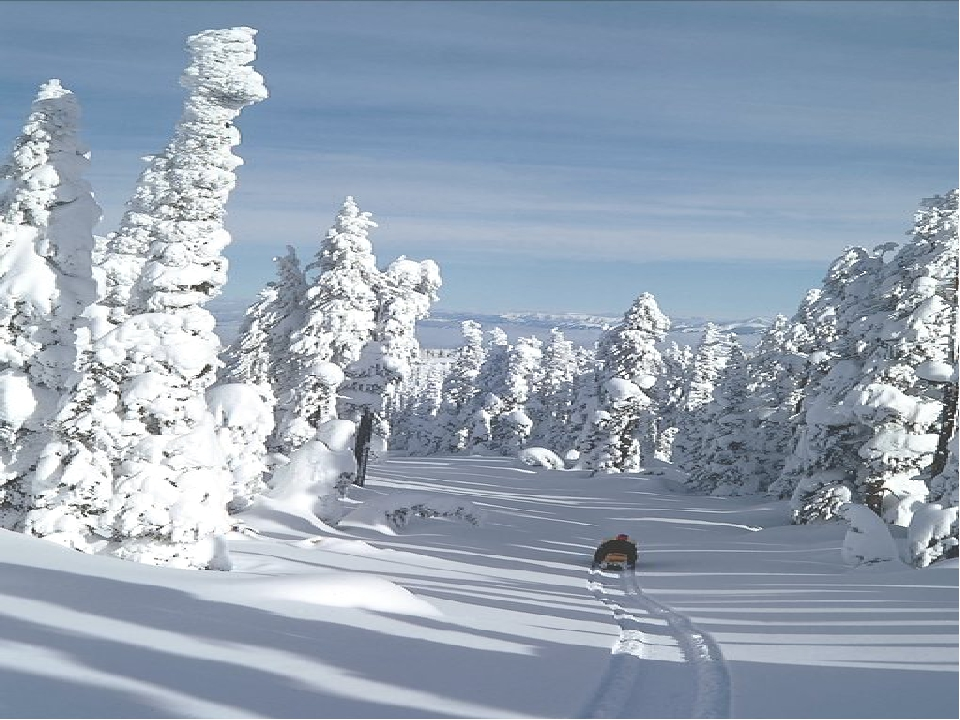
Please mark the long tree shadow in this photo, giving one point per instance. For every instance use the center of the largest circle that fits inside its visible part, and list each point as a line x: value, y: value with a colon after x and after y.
x: 341, y: 653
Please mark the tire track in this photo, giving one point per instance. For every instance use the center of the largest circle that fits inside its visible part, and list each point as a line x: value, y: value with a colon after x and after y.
x: 661, y: 664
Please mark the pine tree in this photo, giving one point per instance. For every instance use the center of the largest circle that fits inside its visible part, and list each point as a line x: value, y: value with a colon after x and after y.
x: 405, y: 291
x: 825, y: 463
x: 706, y: 369
x: 669, y: 396
x: 486, y: 403
x: 511, y: 426
x: 551, y: 416
x: 622, y: 432
x: 906, y: 396
x: 340, y: 319
x: 259, y: 354
x: 459, y: 388
x: 724, y: 466
x: 137, y: 462
x: 47, y: 214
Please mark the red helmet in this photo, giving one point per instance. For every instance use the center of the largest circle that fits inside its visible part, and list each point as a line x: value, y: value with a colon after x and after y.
x: 621, y: 536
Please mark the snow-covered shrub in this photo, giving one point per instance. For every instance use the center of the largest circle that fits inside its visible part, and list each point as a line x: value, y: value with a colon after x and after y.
x: 932, y: 534
x: 868, y: 540
x: 391, y: 513
x: 319, y: 473
x: 541, y: 457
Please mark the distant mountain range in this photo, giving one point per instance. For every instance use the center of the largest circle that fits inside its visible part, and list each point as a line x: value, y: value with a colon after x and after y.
x: 442, y: 328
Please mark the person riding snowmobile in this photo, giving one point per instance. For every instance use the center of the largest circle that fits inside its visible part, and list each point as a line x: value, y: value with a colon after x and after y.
x: 620, y: 544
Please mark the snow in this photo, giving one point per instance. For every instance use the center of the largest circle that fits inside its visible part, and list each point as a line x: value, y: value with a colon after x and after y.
x: 541, y: 457
x: 450, y: 619
x: 17, y: 401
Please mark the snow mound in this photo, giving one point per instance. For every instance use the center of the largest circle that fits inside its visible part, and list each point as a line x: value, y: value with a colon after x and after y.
x: 540, y: 457
x: 345, y: 590
x: 390, y: 514
x: 342, y: 546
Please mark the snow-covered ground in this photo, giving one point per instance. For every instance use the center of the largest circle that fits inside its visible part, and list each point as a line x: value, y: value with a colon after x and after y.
x: 734, y: 612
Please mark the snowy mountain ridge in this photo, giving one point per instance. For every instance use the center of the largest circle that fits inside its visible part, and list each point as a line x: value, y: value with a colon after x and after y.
x: 587, y: 321
x: 442, y: 328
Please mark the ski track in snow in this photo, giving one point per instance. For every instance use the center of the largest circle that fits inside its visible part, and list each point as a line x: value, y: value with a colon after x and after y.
x: 661, y: 665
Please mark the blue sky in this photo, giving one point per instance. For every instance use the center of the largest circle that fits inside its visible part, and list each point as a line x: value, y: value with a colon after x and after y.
x: 550, y: 156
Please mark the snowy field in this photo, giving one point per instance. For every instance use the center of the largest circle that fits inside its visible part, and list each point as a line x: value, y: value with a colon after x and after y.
x: 734, y: 612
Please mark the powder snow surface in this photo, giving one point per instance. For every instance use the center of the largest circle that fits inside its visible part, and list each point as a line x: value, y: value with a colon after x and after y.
x: 501, y: 619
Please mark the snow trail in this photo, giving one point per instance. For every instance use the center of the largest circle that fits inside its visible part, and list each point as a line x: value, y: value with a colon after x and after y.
x: 661, y: 665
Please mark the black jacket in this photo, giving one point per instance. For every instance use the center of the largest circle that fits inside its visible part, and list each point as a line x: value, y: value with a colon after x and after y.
x: 626, y: 547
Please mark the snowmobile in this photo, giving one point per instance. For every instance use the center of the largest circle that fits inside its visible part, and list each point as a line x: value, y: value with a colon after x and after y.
x: 619, y: 553
x: 615, y: 561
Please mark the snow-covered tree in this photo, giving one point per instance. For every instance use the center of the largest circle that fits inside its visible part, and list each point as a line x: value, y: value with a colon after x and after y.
x: 723, y: 466
x: 405, y: 291
x: 823, y: 466
x: 259, y: 355
x: 486, y: 402
x: 136, y: 469
x: 906, y: 396
x: 451, y: 431
x: 340, y: 319
x: 669, y: 394
x: 551, y: 415
x: 47, y: 214
x: 706, y: 369
x: 512, y: 425
x: 622, y: 429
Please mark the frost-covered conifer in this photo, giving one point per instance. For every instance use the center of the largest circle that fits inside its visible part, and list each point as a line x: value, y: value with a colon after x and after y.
x: 706, y: 369
x: 622, y: 429
x: 552, y: 414
x: 486, y: 403
x: 137, y: 462
x: 777, y: 373
x: 259, y: 356
x: 823, y: 467
x: 405, y: 291
x: 724, y: 467
x: 452, y: 432
x: 906, y: 396
x: 340, y: 319
x: 47, y: 214
x: 669, y: 395
x: 512, y: 425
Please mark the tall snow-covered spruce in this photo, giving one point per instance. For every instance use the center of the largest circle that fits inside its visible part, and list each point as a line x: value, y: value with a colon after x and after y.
x: 621, y: 430
x: 47, y: 215
x: 340, y: 316
x: 136, y: 470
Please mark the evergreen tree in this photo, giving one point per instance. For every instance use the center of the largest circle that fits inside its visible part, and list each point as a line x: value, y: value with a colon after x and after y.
x: 459, y: 388
x: 405, y: 292
x: 512, y: 425
x: 47, y: 214
x: 259, y: 356
x: 340, y: 319
x: 706, y: 369
x: 486, y: 403
x: 906, y: 396
x: 136, y: 461
x: 724, y: 467
x: 551, y: 416
x: 826, y: 462
x: 669, y: 396
x: 622, y: 432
